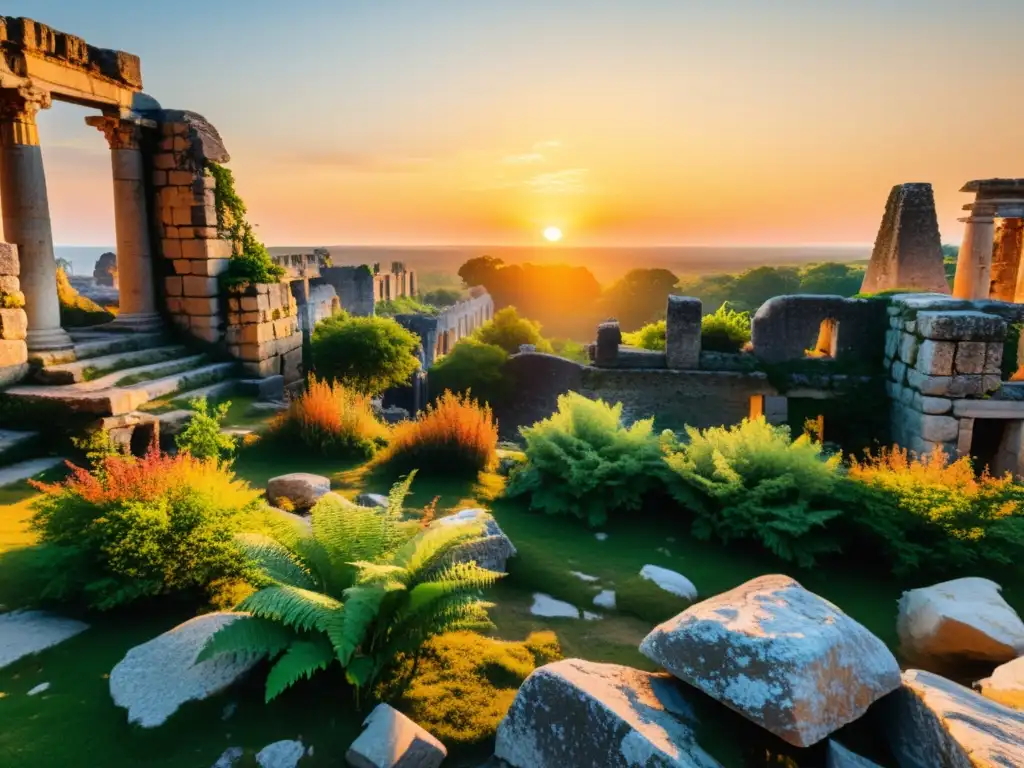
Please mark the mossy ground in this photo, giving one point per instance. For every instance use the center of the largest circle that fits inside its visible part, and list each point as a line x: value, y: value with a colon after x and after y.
x: 76, y: 719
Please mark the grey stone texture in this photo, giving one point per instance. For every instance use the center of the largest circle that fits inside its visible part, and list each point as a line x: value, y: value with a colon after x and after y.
x: 301, y: 489
x: 391, y: 740
x: 492, y: 551
x: 785, y: 327
x: 908, y: 249
x: 960, y: 326
x: 609, y: 337
x: 682, y: 332
x: 23, y: 633
x: 354, y: 286
x: 935, y: 358
x: 281, y: 754
x: 970, y: 357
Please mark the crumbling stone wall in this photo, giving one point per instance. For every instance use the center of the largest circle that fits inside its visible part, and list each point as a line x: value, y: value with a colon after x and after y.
x: 785, y: 328
x: 13, y: 320
x: 315, y: 303
x: 354, y: 286
x: 263, y: 330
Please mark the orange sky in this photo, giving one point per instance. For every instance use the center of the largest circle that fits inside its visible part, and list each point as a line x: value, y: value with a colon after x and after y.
x: 653, y: 122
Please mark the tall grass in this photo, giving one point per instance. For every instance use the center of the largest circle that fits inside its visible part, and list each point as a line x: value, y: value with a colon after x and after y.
x: 454, y: 435
x: 331, y: 419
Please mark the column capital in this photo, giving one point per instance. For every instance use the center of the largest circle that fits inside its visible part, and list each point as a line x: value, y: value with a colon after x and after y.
x: 121, y: 132
x: 18, y: 108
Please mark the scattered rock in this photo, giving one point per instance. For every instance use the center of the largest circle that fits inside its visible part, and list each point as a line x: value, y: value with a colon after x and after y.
x: 932, y: 721
x: 840, y: 757
x: 105, y: 270
x: 601, y: 536
x: 584, y: 577
x: 372, y: 500
x: 229, y: 757
x: 960, y: 620
x: 546, y: 605
x: 778, y: 654
x: 41, y: 688
x: 591, y: 616
x: 27, y: 632
x: 605, y: 599
x: 392, y: 740
x: 670, y: 581
x: 300, y: 488
x: 491, y: 552
x: 157, y: 677
x: 1006, y: 685
x: 281, y: 754
x: 578, y: 713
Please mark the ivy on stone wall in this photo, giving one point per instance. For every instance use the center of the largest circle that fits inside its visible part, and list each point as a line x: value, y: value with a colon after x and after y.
x: 250, y: 261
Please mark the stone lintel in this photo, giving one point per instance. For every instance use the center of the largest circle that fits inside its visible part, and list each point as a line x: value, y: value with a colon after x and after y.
x: 992, y: 186
x: 989, y: 409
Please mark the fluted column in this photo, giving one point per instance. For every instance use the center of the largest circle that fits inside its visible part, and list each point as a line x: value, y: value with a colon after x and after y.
x: 26, y: 215
x: 974, y: 262
x: 136, y: 293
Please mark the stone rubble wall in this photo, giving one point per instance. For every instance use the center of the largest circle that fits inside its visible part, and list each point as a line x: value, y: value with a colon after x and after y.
x: 785, y: 327
x: 315, y: 304
x: 13, y: 320
x: 263, y: 330
x: 354, y: 286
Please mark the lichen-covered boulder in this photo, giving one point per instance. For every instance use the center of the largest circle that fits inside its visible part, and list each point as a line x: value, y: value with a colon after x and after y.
x: 932, y: 722
x: 579, y: 713
x: 491, y: 552
x: 157, y: 677
x: 960, y: 620
x: 1005, y: 684
x: 778, y: 654
x: 299, y: 489
x: 391, y: 740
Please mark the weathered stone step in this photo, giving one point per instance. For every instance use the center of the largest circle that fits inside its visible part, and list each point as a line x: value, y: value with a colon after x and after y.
x: 16, y: 444
x: 95, y: 367
x: 186, y: 380
x: 97, y: 345
x: 23, y: 470
x: 216, y: 391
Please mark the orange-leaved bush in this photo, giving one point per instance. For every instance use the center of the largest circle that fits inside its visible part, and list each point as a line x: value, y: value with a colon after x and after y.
x: 331, y: 419
x: 135, y: 528
x: 455, y: 434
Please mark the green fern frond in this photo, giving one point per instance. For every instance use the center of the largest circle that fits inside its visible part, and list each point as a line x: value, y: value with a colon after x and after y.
x: 459, y: 578
x: 350, y: 533
x: 301, y: 609
x: 302, y: 659
x: 348, y: 630
x: 398, y: 493
x: 368, y: 573
x: 247, y: 635
x: 427, y: 547
x: 274, y: 562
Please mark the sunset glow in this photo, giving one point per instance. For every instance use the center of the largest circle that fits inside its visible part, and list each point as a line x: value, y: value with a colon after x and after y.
x: 552, y: 234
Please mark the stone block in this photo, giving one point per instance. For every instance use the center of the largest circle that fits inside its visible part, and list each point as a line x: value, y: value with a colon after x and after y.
x: 966, y: 385
x: 208, y: 233
x: 990, y: 383
x: 13, y: 324
x: 200, y: 306
x: 174, y: 304
x: 935, y: 358
x: 284, y: 327
x: 173, y: 286
x: 994, y: 359
x: 939, y: 429
x: 165, y: 161
x: 209, y: 267
x: 908, y: 348
x: 159, y: 178
x: 203, y: 216
x: 171, y: 248
x: 182, y: 267
x: 9, y: 284
x: 682, y: 332
x: 9, y: 263
x: 233, y: 304
x: 609, y: 337
x: 206, y: 321
x: 274, y: 296
x: 209, y: 335
x: 180, y: 178
x: 291, y: 366
x: 194, y: 285
x: 13, y: 352
x: 892, y: 343
x: 181, y: 216
x: 205, y: 249
x: 906, y: 396
x: 256, y: 334
x: 935, y: 405
x: 898, y: 373
x: 249, y: 304
x: 255, y: 316
x: 930, y: 385
x: 961, y: 326
x: 269, y: 367
x: 970, y: 357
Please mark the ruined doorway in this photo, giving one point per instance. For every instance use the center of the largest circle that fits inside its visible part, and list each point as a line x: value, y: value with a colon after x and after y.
x: 996, y: 446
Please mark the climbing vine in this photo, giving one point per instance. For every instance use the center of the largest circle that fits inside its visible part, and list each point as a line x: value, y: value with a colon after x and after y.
x: 250, y: 261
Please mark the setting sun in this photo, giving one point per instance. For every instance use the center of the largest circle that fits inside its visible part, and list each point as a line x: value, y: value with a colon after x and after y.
x: 552, y: 234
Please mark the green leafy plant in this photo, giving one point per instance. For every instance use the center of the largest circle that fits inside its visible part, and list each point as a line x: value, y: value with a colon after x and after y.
x: 725, y: 330
x: 202, y: 436
x: 250, y: 260
x: 508, y: 330
x: 752, y: 482
x: 403, y: 305
x: 443, y: 297
x: 570, y: 350
x: 582, y: 461
x: 76, y: 310
x: 366, y: 354
x: 472, y: 366
x: 651, y: 336
x: 361, y: 590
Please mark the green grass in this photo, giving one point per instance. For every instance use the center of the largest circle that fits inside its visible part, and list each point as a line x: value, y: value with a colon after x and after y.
x: 138, y: 378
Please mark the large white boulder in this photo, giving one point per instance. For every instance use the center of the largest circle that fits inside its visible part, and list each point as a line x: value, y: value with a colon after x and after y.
x: 392, y: 740
x: 670, y: 581
x: 932, y: 721
x: 23, y: 633
x: 960, y: 620
x: 301, y: 489
x: 157, y: 677
x: 1006, y: 684
x: 492, y: 551
x: 778, y: 654
x: 579, y: 713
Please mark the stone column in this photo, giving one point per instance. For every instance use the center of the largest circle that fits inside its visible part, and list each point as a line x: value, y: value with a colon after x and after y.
x: 974, y: 263
x: 26, y: 215
x: 137, y: 296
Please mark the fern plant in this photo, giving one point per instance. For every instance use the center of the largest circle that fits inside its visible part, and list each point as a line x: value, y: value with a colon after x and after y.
x: 361, y: 590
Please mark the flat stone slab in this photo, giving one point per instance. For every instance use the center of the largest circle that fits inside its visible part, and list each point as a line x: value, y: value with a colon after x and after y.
x: 24, y: 470
x: 1005, y: 684
x: 670, y: 581
x: 546, y: 605
x: 157, y: 677
x: 391, y: 740
x: 281, y: 754
x: 23, y: 633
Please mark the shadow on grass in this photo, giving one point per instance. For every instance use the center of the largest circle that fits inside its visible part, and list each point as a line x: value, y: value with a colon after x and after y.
x: 452, y: 492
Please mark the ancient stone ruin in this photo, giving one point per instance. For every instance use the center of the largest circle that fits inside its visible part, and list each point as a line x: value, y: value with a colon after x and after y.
x: 988, y: 265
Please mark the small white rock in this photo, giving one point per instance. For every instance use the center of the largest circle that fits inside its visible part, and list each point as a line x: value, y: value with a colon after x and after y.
x: 546, y: 605
x: 281, y: 754
x: 584, y: 577
x: 229, y: 757
x: 670, y: 581
x: 605, y: 599
x: 591, y: 616
x: 39, y: 689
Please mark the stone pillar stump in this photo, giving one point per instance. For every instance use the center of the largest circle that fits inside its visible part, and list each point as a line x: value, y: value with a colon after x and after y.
x: 974, y: 263
x: 682, y: 332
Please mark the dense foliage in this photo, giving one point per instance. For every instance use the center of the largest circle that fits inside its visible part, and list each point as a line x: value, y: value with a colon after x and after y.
x: 453, y: 435
x: 135, y: 528
x: 651, y: 336
x: 76, y: 310
x: 202, y: 436
x: 639, y: 297
x: 752, y: 482
x: 443, y: 297
x: 472, y: 366
x: 404, y: 305
x: 331, y: 420
x: 725, y: 330
x: 582, y: 461
x: 508, y: 330
x: 361, y: 590
x: 250, y: 260
x: 366, y: 354
x: 570, y: 350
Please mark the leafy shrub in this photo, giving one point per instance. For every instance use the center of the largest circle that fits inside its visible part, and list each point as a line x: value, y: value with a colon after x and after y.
x: 725, y: 330
x: 403, y: 305
x: 651, y: 336
x: 360, y: 590
x: 137, y: 528
x: 472, y: 366
x: 570, y: 350
x: 453, y: 435
x: 366, y: 354
x: 330, y: 419
x: 202, y: 436
x: 250, y: 260
x: 508, y: 330
x: 77, y: 311
x: 752, y: 482
x: 462, y: 683
x: 582, y: 461
x: 443, y: 297
x: 932, y: 514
